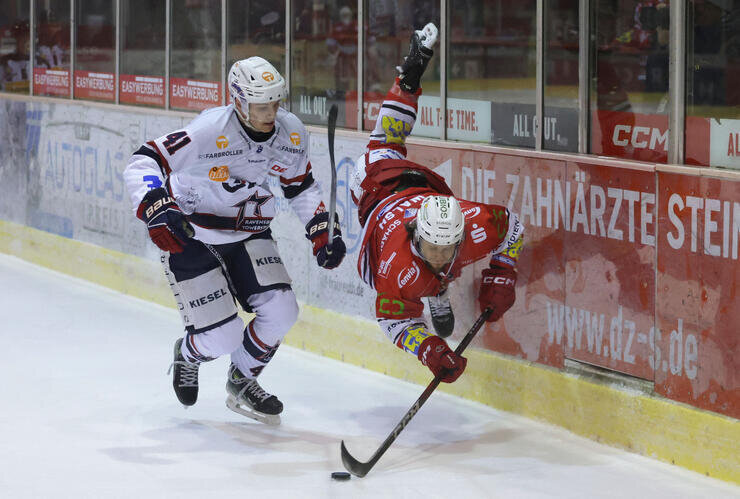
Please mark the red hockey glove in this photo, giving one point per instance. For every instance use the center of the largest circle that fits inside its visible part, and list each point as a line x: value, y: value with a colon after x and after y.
x: 327, y: 255
x: 168, y: 227
x: 497, y: 291
x: 437, y: 356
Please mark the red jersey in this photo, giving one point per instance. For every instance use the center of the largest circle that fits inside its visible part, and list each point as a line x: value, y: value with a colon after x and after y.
x: 389, y: 262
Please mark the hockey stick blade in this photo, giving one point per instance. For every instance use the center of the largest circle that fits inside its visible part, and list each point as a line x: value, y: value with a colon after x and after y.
x: 332, y: 126
x: 361, y: 469
x: 354, y: 466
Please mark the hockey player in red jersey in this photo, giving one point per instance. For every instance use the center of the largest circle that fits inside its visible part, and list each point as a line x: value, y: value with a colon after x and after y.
x: 418, y: 236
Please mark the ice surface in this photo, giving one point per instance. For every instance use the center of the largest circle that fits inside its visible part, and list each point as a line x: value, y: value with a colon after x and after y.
x: 87, y: 410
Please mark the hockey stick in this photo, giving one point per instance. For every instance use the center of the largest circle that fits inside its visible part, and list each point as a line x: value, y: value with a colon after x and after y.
x: 333, y: 199
x: 361, y: 469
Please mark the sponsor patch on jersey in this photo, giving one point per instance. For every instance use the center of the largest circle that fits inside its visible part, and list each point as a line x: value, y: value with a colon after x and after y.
x: 222, y: 142
x: 219, y: 173
x: 220, y: 154
x: 393, y: 226
x: 514, y: 249
x: 385, y: 266
x: 292, y: 150
x: 390, y: 307
x: 478, y: 234
x: 409, y: 275
x: 395, y: 130
x: 471, y: 212
x: 278, y: 169
x: 295, y: 139
x: 412, y: 338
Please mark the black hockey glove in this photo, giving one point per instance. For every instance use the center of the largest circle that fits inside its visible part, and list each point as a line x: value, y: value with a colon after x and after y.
x: 168, y: 227
x: 420, y: 52
x: 328, y: 255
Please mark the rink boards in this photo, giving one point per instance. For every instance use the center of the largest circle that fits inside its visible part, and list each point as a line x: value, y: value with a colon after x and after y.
x: 628, y: 266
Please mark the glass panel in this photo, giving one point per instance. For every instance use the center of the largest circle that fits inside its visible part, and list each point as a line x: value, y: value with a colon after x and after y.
x: 195, y: 61
x: 560, y: 132
x: 142, y: 52
x: 52, y: 58
x: 14, y: 46
x: 324, y: 61
x: 629, y: 102
x: 95, y: 51
x: 389, y: 28
x: 491, y: 71
x: 256, y: 28
x: 712, y: 90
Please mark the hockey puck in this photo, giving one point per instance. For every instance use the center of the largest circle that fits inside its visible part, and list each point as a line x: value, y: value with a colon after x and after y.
x: 340, y: 475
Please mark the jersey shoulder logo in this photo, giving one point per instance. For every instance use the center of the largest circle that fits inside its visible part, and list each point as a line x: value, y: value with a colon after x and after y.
x: 222, y: 142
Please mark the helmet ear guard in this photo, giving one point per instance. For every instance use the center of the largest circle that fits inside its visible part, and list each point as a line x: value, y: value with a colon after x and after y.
x: 255, y: 81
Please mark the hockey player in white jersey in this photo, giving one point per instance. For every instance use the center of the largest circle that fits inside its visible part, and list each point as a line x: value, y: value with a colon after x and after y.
x: 203, y: 193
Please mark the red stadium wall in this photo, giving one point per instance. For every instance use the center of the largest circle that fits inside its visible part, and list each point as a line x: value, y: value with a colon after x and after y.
x: 628, y: 266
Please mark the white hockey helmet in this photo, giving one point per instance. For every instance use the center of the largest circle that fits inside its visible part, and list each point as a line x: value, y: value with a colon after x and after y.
x: 440, y: 221
x: 255, y: 81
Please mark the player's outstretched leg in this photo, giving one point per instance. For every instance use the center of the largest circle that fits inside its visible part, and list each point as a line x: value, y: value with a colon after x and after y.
x: 443, y: 319
x: 246, y: 397
x: 184, y: 377
x: 414, y: 64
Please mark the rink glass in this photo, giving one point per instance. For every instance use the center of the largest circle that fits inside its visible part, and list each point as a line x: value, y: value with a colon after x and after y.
x: 142, y: 52
x: 560, y: 132
x: 712, y: 76
x: 388, y: 28
x: 195, y: 61
x: 491, y: 64
x: 324, y: 61
x: 52, y: 57
x: 629, y: 89
x: 95, y: 46
x: 256, y: 29
x: 14, y: 46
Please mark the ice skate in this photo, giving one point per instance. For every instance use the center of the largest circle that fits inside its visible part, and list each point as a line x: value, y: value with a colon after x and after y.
x: 184, y: 378
x: 420, y: 52
x: 246, y: 397
x: 443, y: 319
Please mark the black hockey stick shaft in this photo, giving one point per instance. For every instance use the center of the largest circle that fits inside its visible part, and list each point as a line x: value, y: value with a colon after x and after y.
x: 332, y: 126
x: 361, y: 469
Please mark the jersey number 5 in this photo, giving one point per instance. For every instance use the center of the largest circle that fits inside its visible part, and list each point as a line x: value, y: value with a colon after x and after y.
x: 175, y: 141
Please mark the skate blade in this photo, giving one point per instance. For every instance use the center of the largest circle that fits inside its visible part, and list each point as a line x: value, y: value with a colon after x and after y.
x: 268, y: 419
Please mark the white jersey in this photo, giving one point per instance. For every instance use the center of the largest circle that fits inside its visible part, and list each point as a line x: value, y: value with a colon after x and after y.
x: 219, y: 176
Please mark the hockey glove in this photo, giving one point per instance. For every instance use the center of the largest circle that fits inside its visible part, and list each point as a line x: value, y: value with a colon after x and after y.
x: 497, y: 290
x: 443, y: 362
x: 414, y: 64
x: 328, y: 255
x: 168, y: 227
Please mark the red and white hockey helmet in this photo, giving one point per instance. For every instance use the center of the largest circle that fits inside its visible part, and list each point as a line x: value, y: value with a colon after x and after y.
x: 440, y: 221
x: 255, y: 81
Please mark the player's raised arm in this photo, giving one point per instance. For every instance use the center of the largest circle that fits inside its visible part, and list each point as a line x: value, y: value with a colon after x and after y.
x: 397, y: 114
